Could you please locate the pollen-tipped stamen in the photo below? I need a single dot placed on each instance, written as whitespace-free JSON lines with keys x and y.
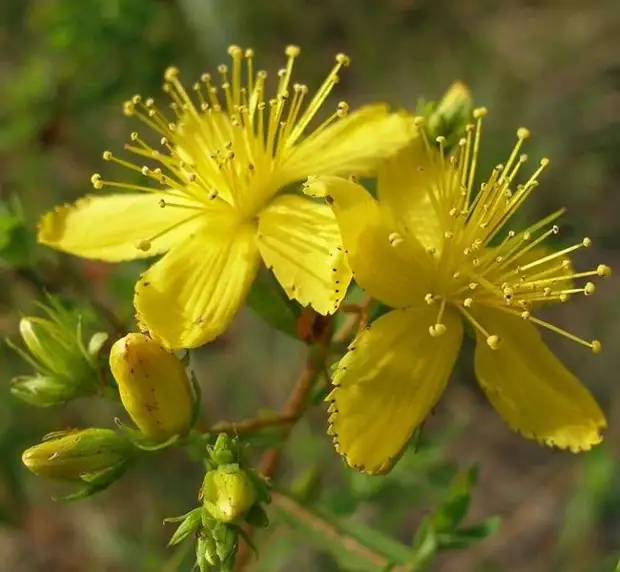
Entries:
{"x":492,"y":340}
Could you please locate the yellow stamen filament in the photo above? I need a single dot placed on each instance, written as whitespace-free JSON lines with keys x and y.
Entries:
{"x":220,"y":138}
{"x":471,"y":271}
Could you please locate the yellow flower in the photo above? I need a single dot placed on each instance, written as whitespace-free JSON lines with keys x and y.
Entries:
{"x":443,"y":255}
{"x":215,"y":208}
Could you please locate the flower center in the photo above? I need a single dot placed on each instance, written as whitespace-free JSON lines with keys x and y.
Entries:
{"x":479,"y":265}
{"x":227,"y":143}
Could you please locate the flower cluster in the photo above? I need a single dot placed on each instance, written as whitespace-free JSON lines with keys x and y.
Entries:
{"x":434,"y":248}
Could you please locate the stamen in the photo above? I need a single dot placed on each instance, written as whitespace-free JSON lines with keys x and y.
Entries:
{"x":493,"y":341}
{"x":438,"y":328}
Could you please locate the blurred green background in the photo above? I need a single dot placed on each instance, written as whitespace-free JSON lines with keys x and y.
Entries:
{"x":65,"y":68}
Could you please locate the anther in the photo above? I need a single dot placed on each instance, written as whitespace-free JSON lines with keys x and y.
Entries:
{"x":96,"y":181}
{"x":587,"y":242}
{"x":437,"y":330}
{"x":603,"y":270}
{"x":526,"y":315}
{"x":480,"y":112}
{"x":429,"y":299}
{"x":234,"y":50}
{"x":144,"y":245}
{"x":493,"y":342}
{"x":523,"y":133}
{"x":468,"y":302}
{"x":555,"y":229}
{"x":589,"y":289}
{"x":596,"y":346}
{"x":291,"y":51}
{"x":107,"y":155}
{"x":343,"y":59}
{"x":171,"y":73}
{"x":395,"y":239}
{"x":128,"y":108}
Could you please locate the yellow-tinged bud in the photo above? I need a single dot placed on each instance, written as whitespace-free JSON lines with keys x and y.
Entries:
{"x":228,"y":493}
{"x":68,"y":456}
{"x":452,"y":113}
{"x":153,"y":386}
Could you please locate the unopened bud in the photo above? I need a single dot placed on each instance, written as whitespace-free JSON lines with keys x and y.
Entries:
{"x":153,"y":386}
{"x":65,"y":366}
{"x":70,"y":456}
{"x":452,"y":113}
{"x":228,"y":493}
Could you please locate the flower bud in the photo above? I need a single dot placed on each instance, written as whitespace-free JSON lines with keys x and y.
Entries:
{"x":452,"y":113}
{"x":64,"y":366}
{"x":68,"y":456}
{"x":228,"y":493}
{"x":153,"y":386}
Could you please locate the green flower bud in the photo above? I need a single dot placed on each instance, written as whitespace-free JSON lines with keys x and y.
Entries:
{"x":225,"y":450}
{"x":451,"y":114}
{"x":153,"y":386}
{"x":68,"y":456}
{"x":64,"y":366}
{"x":227,"y":493}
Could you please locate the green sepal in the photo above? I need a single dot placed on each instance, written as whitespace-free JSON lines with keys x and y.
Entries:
{"x":190,"y":522}
{"x":257,"y":516}
{"x":140,"y":441}
{"x":96,"y":483}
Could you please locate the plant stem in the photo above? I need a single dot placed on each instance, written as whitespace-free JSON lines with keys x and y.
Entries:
{"x":248,"y":426}
{"x":293,"y":409}
{"x":331,"y":531}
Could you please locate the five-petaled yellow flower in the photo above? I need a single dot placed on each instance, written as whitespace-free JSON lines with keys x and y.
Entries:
{"x":215,"y":210}
{"x":443,"y":255}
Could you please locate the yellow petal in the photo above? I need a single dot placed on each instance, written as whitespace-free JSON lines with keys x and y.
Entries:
{"x":300,"y":241}
{"x":531,"y":389}
{"x":110,"y":227}
{"x":192,"y":294}
{"x":355,"y":145}
{"x":395,"y":271}
{"x":387,"y":383}
{"x":405,"y":183}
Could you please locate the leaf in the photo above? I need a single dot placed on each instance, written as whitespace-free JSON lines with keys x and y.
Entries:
{"x":466,"y":537}
{"x":453,"y":509}
{"x":267,"y":299}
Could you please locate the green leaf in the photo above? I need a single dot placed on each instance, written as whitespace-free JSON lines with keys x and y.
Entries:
{"x":267,"y":299}
{"x":466,"y":537}
{"x":453,"y":509}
